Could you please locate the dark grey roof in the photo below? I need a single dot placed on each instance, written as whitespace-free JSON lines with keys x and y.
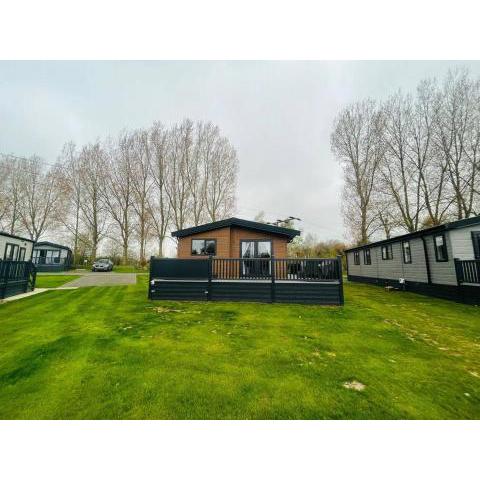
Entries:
{"x":5,"y":234}
{"x":466,"y":222}
{"x":51,"y":244}
{"x":238,"y":222}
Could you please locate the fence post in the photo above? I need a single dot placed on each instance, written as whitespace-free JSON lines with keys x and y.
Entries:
{"x":34,"y":275}
{"x":150,"y":278}
{"x":272,"y":275}
{"x":340,"y":280}
{"x":26,"y":276}
{"x":458,"y":271}
{"x":210,"y":273}
{"x":7,"y":274}
{"x":2,"y":271}
{"x":460,"y":278}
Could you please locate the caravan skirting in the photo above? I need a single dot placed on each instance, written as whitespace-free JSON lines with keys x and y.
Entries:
{"x":469,"y":294}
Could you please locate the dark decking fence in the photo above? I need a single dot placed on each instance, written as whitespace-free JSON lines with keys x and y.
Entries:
{"x":468,"y":271}
{"x":16,"y":277}
{"x":283,"y":269}
{"x":292,"y":280}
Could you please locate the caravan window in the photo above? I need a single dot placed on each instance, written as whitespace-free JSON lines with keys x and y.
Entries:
{"x":387,"y":252}
{"x":407,"y":252}
{"x":356,"y":257}
{"x":441,"y":253}
{"x":11,"y":252}
{"x":367,"y":259}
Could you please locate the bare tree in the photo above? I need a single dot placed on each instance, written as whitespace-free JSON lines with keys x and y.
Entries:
{"x":399,"y":169}
{"x":458,"y":138}
{"x":126,"y":189}
{"x":429,"y":163}
{"x":40,"y":197}
{"x":429,"y":150}
{"x":355,"y":142}
{"x":71,"y":179}
{"x":195,"y":157}
{"x":12,"y":173}
{"x":177,"y":186}
{"x":141,"y":186}
{"x":4,"y":192}
{"x":117,"y":189}
{"x":202,"y":174}
{"x":221,"y":167}
{"x":158,"y":204}
{"x":92,"y":204}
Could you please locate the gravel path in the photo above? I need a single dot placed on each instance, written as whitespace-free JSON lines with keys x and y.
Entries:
{"x":94,"y":279}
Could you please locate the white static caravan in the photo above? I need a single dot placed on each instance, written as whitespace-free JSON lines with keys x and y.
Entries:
{"x":17,"y":273}
{"x":13,"y":247}
{"x":51,"y":257}
{"x":442,"y":261}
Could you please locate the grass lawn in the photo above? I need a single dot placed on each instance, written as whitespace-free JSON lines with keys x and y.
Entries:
{"x":108,"y":352}
{"x":52,"y":281}
{"x":129,"y":269}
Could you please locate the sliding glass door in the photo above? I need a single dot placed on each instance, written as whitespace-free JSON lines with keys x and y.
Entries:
{"x":253,"y":251}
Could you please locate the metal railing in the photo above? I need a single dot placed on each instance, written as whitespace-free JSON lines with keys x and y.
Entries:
{"x":18,"y":274}
{"x":269,"y":269}
{"x":280,"y":269}
{"x":310,"y":269}
{"x":468,"y":271}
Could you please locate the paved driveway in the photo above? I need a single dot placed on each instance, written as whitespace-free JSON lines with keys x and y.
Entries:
{"x":94,"y":279}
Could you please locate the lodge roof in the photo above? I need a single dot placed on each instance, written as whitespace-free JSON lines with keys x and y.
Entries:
{"x":238,"y":222}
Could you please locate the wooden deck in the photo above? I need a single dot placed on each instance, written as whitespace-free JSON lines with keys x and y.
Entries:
{"x":315,"y":281}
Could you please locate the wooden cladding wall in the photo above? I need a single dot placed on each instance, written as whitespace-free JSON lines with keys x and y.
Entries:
{"x":228,"y":242}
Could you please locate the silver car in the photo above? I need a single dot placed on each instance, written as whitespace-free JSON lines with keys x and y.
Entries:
{"x":102,"y":265}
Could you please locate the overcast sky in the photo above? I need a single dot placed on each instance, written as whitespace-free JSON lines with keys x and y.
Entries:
{"x":278,"y":115}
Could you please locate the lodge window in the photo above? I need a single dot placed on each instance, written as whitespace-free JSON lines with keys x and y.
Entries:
{"x":255,"y":248}
{"x":367,"y":259}
{"x":387,"y":252}
{"x":356,"y":258}
{"x":441,"y":253}
{"x":21,"y":255}
{"x":204,"y":246}
{"x":407,"y":252}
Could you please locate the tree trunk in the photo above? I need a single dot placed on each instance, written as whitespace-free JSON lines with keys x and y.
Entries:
{"x":125,"y":248}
